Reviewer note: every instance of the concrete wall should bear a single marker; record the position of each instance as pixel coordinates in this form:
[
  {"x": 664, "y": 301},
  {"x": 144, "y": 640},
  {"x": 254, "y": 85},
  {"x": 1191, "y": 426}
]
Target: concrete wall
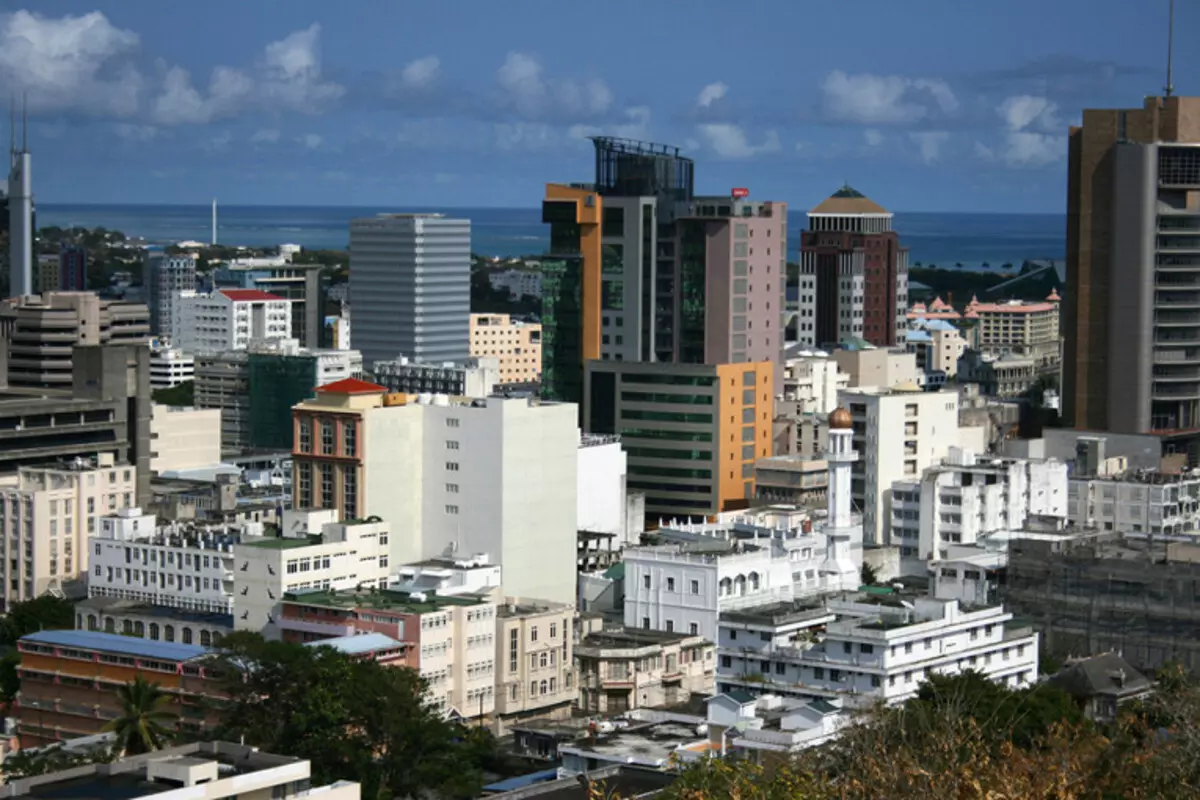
[{"x": 184, "y": 438}]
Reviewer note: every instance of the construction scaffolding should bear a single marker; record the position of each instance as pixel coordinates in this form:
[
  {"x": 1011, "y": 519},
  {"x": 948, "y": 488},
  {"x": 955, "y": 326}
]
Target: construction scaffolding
[{"x": 1135, "y": 596}]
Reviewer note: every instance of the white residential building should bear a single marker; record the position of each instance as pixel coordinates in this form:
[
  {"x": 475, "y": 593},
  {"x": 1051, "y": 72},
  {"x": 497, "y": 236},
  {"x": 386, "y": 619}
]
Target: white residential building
[
  {"x": 714, "y": 567},
  {"x": 189, "y": 569},
  {"x": 870, "y": 648},
  {"x": 761, "y": 728},
  {"x": 449, "y": 576},
  {"x": 229, "y": 319},
  {"x": 899, "y": 433},
  {"x": 344, "y": 555},
  {"x": 517, "y": 282},
  {"x": 966, "y": 498},
  {"x": 170, "y": 366},
  {"x": 604, "y": 505},
  {"x": 1137, "y": 502},
  {"x": 811, "y": 382},
  {"x": 46, "y": 516}
]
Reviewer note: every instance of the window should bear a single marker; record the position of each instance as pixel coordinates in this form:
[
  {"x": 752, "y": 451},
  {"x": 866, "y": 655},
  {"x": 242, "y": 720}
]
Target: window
[
  {"x": 645, "y": 623},
  {"x": 553, "y": 630},
  {"x": 327, "y": 437},
  {"x": 533, "y": 633},
  {"x": 670, "y": 584},
  {"x": 452, "y": 488},
  {"x": 350, "y": 492},
  {"x": 693, "y": 629},
  {"x": 646, "y": 581},
  {"x": 513, "y": 644},
  {"x": 304, "y": 427},
  {"x": 695, "y": 587},
  {"x": 451, "y": 509},
  {"x": 452, "y": 466},
  {"x": 349, "y": 439},
  {"x": 451, "y": 422},
  {"x": 327, "y": 486},
  {"x": 451, "y": 445},
  {"x": 670, "y": 626}
]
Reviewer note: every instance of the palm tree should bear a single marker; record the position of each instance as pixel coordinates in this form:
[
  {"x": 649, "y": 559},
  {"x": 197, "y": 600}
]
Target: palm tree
[{"x": 141, "y": 727}]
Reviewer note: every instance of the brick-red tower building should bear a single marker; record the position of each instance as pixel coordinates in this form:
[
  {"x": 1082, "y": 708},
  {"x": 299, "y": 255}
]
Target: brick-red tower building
[{"x": 853, "y": 273}]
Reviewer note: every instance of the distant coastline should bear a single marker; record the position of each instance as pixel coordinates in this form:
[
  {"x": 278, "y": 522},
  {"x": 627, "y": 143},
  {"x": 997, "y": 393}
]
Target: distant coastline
[{"x": 944, "y": 239}]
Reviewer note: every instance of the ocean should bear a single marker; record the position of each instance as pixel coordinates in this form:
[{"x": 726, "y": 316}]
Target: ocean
[{"x": 944, "y": 239}]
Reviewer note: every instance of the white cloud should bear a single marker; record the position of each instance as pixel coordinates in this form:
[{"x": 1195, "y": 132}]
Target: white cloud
[
  {"x": 983, "y": 152},
  {"x": 872, "y": 137},
  {"x": 711, "y": 94},
  {"x": 730, "y": 141},
  {"x": 265, "y": 136},
  {"x": 636, "y": 127},
  {"x": 135, "y": 133},
  {"x": 310, "y": 141},
  {"x": 532, "y": 94},
  {"x": 420, "y": 74},
  {"x": 524, "y": 136},
  {"x": 930, "y": 144},
  {"x": 885, "y": 99},
  {"x": 78, "y": 63},
  {"x": 218, "y": 143},
  {"x": 799, "y": 147},
  {"x": 288, "y": 78},
  {"x": 1033, "y": 138}
]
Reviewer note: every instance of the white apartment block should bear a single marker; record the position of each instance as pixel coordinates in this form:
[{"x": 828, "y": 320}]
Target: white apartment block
[
  {"x": 495, "y": 476},
  {"x": 604, "y": 505},
  {"x": 229, "y": 319},
  {"x": 870, "y": 649},
  {"x": 1136, "y": 502},
  {"x": 517, "y": 282},
  {"x": 170, "y": 366},
  {"x": 967, "y": 498},
  {"x": 811, "y": 382},
  {"x": 188, "y": 569},
  {"x": 535, "y": 660},
  {"x": 46, "y": 516},
  {"x": 899, "y": 434},
  {"x": 184, "y": 438},
  {"x": 449, "y": 576},
  {"x": 851, "y": 284},
  {"x": 343, "y": 555}
]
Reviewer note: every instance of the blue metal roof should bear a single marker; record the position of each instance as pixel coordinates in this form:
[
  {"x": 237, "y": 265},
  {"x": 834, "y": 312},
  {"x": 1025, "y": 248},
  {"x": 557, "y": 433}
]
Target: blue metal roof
[
  {"x": 357, "y": 644},
  {"x": 521, "y": 781},
  {"x": 114, "y": 643}
]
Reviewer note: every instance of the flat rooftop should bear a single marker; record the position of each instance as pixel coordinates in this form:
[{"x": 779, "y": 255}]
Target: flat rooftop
[
  {"x": 281, "y": 542},
  {"x": 118, "y": 605},
  {"x": 620, "y": 780},
  {"x": 778, "y": 613},
  {"x": 650, "y": 745},
  {"x": 128, "y": 779},
  {"x": 632, "y": 637},
  {"x": 383, "y": 599}
]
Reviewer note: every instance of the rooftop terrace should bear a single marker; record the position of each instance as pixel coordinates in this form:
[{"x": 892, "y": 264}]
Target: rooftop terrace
[
  {"x": 383, "y": 599},
  {"x": 282, "y": 542}
]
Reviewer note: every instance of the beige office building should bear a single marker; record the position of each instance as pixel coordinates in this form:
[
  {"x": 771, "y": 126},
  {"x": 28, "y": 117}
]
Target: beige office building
[
  {"x": 535, "y": 674},
  {"x": 46, "y": 516},
  {"x": 184, "y": 438},
  {"x": 517, "y": 345}
]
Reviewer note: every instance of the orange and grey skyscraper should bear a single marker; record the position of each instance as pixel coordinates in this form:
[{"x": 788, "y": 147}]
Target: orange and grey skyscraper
[{"x": 1131, "y": 361}]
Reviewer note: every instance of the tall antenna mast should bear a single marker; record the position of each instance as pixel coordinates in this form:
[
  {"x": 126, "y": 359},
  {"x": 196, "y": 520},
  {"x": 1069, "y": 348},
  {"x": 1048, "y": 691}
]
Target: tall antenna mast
[
  {"x": 25, "y": 121},
  {"x": 12, "y": 123},
  {"x": 1170, "y": 48}
]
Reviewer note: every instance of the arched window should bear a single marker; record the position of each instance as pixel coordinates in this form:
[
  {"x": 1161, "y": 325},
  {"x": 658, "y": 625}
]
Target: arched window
[
  {"x": 754, "y": 581},
  {"x": 216, "y": 639},
  {"x": 187, "y": 635},
  {"x": 139, "y": 629},
  {"x": 544, "y": 687},
  {"x": 78, "y": 621},
  {"x": 92, "y": 626},
  {"x": 110, "y": 625},
  {"x": 205, "y": 638},
  {"x": 154, "y": 631},
  {"x": 169, "y": 633},
  {"x": 726, "y": 587},
  {"x": 739, "y": 585},
  {"x": 126, "y": 627}
]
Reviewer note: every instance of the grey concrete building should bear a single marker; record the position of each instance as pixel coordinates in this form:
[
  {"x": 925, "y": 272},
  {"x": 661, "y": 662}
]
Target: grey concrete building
[
  {"x": 164, "y": 277},
  {"x": 410, "y": 287}
]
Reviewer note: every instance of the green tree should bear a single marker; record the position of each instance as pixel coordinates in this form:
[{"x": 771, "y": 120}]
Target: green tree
[
  {"x": 10, "y": 679},
  {"x": 182, "y": 395},
  {"x": 43, "y": 613},
  {"x": 143, "y": 724},
  {"x": 869, "y": 576},
  {"x": 55, "y": 758}
]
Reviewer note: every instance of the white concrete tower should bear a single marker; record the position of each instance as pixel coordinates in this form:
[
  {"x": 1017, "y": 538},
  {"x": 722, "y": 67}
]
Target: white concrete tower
[
  {"x": 20, "y": 217},
  {"x": 842, "y": 569}
]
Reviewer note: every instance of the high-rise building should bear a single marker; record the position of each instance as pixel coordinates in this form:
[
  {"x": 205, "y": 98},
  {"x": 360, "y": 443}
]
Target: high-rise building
[
  {"x": 72, "y": 269},
  {"x": 410, "y": 286},
  {"x": 692, "y": 431},
  {"x": 43, "y": 331},
  {"x": 282, "y": 377},
  {"x": 20, "y": 220},
  {"x": 853, "y": 274},
  {"x": 495, "y": 476},
  {"x": 1131, "y": 318},
  {"x": 515, "y": 344},
  {"x": 164, "y": 278},
  {"x": 302, "y": 284}
]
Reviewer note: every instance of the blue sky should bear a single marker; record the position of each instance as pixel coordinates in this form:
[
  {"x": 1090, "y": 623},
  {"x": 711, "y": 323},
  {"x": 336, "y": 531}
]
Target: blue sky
[{"x": 922, "y": 104}]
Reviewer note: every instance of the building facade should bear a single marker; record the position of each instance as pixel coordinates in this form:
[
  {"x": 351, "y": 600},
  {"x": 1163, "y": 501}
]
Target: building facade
[
  {"x": 535, "y": 675},
  {"x": 229, "y": 319},
  {"x": 692, "y": 432},
  {"x": 302, "y": 284},
  {"x": 170, "y": 366},
  {"x": 279, "y": 377},
  {"x": 410, "y": 278},
  {"x": 48, "y": 515},
  {"x": 44, "y": 330},
  {"x": 1133, "y": 212},
  {"x": 184, "y": 438},
  {"x": 223, "y": 384},
  {"x": 475, "y": 377},
  {"x": 515, "y": 344},
  {"x": 1136, "y": 502},
  {"x": 626, "y": 669},
  {"x": 853, "y": 274},
  {"x": 165, "y": 277}
]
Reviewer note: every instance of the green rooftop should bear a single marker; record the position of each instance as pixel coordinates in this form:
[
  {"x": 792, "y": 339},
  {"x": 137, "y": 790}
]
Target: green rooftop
[
  {"x": 847, "y": 191},
  {"x": 382, "y": 599},
  {"x": 282, "y": 543}
]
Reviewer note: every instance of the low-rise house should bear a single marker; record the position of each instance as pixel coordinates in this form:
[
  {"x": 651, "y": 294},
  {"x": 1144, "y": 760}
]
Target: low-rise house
[
  {"x": 1102, "y": 684},
  {"x": 624, "y": 669}
]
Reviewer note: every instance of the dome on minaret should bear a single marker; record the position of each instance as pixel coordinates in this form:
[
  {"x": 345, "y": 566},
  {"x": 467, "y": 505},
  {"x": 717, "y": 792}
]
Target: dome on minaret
[
  {"x": 840, "y": 419},
  {"x": 847, "y": 201}
]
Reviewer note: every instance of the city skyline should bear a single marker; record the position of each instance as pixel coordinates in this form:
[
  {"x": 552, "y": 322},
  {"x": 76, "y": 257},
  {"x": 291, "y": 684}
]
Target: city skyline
[{"x": 407, "y": 105}]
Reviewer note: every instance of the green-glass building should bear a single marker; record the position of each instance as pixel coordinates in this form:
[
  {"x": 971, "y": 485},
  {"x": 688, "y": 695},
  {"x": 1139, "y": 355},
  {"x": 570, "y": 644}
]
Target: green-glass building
[{"x": 277, "y": 382}]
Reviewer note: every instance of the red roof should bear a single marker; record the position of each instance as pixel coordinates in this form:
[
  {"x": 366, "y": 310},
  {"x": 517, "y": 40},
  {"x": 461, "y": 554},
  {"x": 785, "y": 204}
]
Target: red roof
[
  {"x": 250, "y": 295},
  {"x": 351, "y": 386}
]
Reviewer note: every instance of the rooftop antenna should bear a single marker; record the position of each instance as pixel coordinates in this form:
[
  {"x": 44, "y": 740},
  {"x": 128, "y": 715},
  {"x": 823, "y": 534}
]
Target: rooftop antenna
[
  {"x": 1170, "y": 89},
  {"x": 12, "y": 123},
  {"x": 25, "y": 120}
]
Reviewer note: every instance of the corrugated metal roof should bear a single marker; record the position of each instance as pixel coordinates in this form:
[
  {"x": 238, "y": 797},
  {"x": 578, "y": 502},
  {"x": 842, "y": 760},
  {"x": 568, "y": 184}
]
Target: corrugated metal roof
[
  {"x": 356, "y": 644},
  {"x": 114, "y": 643}
]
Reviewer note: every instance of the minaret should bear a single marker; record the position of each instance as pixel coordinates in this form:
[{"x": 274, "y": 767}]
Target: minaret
[
  {"x": 842, "y": 568},
  {"x": 20, "y": 213}
]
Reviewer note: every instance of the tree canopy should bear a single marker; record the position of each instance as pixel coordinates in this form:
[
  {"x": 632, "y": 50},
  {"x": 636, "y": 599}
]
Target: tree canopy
[
  {"x": 39, "y": 614},
  {"x": 145, "y": 723}
]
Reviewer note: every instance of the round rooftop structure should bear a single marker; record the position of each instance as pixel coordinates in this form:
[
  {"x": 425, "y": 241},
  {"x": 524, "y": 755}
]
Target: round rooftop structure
[{"x": 840, "y": 419}]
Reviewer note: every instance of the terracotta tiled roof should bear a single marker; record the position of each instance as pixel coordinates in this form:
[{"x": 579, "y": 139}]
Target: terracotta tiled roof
[{"x": 351, "y": 386}]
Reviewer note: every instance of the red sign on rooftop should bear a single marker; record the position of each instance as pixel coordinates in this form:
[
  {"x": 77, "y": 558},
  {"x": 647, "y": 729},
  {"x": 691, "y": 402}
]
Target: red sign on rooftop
[{"x": 740, "y": 192}]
